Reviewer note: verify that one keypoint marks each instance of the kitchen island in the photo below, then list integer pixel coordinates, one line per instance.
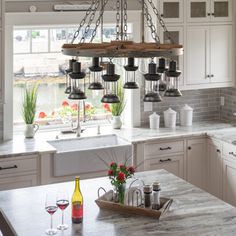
(193, 211)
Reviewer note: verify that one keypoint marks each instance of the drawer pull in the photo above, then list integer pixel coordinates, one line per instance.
(8, 167)
(167, 160)
(163, 149)
(231, 153)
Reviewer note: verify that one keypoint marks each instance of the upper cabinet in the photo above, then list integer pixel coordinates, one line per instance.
(209, 10)
(172, 11)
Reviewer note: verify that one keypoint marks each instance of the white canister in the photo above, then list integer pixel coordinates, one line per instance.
(154, 121)
(170, 118)
(186, 116)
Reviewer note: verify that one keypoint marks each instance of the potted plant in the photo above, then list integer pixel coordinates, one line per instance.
(29, 110)
(118, 108)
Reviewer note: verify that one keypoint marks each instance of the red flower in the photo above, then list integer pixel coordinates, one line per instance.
(122, 167)
(110, 172)
(74, 107)
(42, 115)
(88, 106)
(113, 164)
(121, 177)
(65, 104)
(131, 170)
(106, 106)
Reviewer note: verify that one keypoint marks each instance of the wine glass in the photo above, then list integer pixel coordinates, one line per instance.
(62, 203)
(51, 208)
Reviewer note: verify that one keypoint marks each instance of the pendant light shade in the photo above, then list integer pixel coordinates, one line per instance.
(152, 97)
(96, 72)
(172, 81)
(110, 80)
(161, 70)
(130, 80)
(68, 79)
(77, 93)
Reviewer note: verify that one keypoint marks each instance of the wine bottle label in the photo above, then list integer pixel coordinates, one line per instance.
(77, 210)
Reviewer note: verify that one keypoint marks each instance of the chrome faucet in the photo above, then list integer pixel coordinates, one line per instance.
(78, 128)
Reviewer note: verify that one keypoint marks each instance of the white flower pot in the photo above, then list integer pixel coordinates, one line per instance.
(116, 122)
(30, 130)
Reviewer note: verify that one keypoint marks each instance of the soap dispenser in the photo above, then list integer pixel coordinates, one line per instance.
(154, 121)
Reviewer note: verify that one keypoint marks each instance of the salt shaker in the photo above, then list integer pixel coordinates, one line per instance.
(147, 190)
(156, 195)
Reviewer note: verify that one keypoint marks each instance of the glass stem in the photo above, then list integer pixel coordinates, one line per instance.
(62, 219)
(51, 222)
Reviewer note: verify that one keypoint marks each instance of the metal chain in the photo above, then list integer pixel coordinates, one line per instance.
(98, 21)
(125, 19)
(87, 28)
(161, 21)
(88, 12)
(117, 19)
(151, 25)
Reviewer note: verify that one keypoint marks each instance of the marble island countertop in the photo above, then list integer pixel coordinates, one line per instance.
(21, 146)
(193, 211)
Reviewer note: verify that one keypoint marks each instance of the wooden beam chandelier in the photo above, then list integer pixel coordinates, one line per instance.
(156, 78)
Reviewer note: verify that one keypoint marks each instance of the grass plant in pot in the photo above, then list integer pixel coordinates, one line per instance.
(29, 111)
(118, 108)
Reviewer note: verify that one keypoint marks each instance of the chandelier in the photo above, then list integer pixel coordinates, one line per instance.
(159, 78)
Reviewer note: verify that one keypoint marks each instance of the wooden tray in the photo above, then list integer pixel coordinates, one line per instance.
(105, 202)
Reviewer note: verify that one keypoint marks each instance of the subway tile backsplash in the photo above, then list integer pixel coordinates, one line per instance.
(1, 121)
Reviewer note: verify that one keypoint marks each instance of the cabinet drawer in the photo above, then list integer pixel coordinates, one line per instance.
(229, 151)
(164, 148)
(15, 165)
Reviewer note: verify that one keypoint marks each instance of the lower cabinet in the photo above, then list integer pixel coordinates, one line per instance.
(215, 169)
(173, 164)
(196, 168)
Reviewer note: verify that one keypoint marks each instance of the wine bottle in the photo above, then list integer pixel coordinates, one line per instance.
(77, 203)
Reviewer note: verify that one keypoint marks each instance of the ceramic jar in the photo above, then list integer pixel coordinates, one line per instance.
(170, 118)
(186, 116)
(30, 130)
(154, 121)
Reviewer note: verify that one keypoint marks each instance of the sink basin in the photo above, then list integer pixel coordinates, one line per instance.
(89, 156)
(78, 144)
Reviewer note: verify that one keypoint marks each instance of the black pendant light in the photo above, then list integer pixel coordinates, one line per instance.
(130, 80)
(76, 76)
(151, 83)
(161, 70)
(96, 71)
(68, 79)
(172, 81)
(110, 80)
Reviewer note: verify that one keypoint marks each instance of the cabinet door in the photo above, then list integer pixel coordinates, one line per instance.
(172, 10)
(221, 53)
(215, 169)
(177, 36)
(196, 162)
(197, 50)
(172, 164)
(198, 10)
(221, 10)
(229, 180)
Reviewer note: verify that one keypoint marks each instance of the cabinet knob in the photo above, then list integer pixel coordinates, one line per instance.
(218, 150)
(189, 148)
(208, 14)
(213, 14)
(212, 75)
(162, 15)
(208, 76)
(232, 153)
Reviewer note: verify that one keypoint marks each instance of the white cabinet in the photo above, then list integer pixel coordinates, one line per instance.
(215, 168)
(18, 172)
(172, 10)
(209, 55)
(165, 155)
(209, 10)
(196, 162)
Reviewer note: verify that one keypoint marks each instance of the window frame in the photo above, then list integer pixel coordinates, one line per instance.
(54, 20)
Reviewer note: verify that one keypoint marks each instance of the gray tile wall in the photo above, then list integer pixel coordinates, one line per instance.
(229, 108)
(205, 102)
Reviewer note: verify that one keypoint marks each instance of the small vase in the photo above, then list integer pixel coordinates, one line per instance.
(116, 122)
(30, 130)
(119, 193)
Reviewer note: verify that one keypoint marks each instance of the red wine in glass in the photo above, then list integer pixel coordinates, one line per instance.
(51, 209)
(62, 204)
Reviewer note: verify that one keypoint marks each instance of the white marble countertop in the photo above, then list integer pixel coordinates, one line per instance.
(193, 212)
(21, 146)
